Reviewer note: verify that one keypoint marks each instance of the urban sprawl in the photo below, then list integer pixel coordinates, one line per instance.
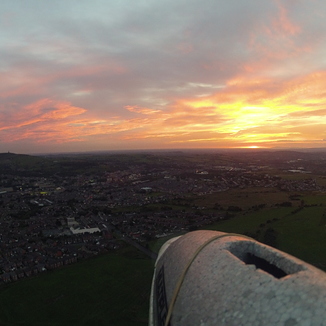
(47, 222)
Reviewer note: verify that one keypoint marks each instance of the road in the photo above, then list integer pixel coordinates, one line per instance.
(138, 246)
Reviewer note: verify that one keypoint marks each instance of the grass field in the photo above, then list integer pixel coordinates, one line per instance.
(108, 290)
(244, 198)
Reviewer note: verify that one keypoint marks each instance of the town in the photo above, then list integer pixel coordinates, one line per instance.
(52, 219)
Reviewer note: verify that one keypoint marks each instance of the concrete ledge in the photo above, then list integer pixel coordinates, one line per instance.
(236, 281)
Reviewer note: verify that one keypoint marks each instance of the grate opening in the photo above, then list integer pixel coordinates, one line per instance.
(250, 259)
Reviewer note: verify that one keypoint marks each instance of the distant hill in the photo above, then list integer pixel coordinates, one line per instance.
(19, 159)
(21, 163)
(75, 164)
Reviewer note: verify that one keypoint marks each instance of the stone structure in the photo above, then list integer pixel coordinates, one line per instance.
(214, 278)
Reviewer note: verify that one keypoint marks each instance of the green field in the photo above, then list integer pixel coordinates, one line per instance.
(248, 197)
(108, 290)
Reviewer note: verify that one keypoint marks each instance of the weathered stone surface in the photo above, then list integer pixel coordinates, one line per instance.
(237, 281)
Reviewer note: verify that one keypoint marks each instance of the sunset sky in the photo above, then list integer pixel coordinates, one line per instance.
(80, 75)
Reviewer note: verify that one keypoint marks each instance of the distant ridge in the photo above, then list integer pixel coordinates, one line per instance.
(184, 150)
(16, 163)
(13, 156)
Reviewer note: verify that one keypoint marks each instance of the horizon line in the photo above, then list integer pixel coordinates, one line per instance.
(224, 149)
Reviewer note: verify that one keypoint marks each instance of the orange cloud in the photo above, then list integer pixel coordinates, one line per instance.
(45, 120)
(260, 111)
(137, 109)
(246, 112)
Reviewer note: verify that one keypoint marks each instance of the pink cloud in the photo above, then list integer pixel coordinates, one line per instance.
(41, 121)
(283, 23)
(31, 78)
(137, 109)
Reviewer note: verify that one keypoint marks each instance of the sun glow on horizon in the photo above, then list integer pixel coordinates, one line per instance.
(252, 147)
(263, 113)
